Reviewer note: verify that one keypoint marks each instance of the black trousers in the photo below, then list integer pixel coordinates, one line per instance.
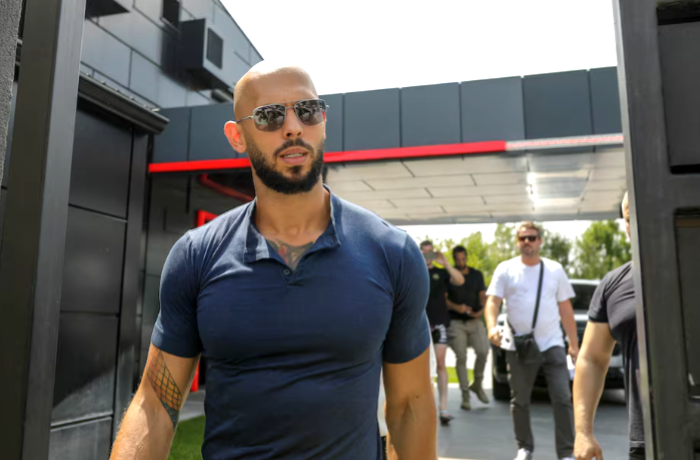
(637, 453)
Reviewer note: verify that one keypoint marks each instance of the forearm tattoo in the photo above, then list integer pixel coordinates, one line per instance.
(290, 254)
(165, 387)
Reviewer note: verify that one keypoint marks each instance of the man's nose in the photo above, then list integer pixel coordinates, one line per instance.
(292, 128)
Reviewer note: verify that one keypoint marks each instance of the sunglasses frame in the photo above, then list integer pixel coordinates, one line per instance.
(286, 108)
(528, 238)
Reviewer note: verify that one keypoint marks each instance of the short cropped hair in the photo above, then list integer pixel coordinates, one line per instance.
(426, 243)
(530, 226)
(458, 249)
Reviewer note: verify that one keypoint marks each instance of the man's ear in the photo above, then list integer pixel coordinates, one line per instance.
(235, 136)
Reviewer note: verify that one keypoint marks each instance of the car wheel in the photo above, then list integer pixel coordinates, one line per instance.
(501, 391)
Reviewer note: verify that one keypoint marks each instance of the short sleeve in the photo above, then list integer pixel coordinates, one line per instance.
(499, 281)
(409, 335)
(598, 310)
(176, 330)
(564, 291)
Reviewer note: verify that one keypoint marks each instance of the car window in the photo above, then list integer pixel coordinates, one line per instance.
(584, 294)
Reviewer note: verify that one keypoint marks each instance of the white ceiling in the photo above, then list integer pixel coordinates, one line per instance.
(503, 187)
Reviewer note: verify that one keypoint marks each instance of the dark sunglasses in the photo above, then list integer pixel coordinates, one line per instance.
(271, 117)
(529, 238)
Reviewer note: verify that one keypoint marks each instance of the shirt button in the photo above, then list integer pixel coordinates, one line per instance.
(286, 271)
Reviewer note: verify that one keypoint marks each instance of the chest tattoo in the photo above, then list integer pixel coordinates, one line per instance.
(290, 254)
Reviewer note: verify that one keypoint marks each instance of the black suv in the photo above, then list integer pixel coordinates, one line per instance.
(584, 292)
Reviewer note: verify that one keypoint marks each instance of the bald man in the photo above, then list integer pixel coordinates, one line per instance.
(612, 319)
(299, 301)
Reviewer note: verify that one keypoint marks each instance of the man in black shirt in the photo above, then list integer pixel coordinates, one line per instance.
(466, 305)
(438, 316)
(612, 318)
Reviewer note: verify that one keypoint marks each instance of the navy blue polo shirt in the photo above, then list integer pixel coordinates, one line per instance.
(294, 357)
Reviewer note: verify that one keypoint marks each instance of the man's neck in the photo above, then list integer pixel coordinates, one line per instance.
(465, 270)
(530, 261)
(292, 216)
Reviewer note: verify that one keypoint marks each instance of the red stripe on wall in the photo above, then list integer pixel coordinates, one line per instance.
(400, 153)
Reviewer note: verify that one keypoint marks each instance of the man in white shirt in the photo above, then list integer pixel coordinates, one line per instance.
(517, 281)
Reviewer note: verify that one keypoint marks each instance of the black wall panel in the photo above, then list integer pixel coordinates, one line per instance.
(93, 264)
(605, 101)
(84, 441)
(207, 138)
(101, 164)
(430, 115)
(679, 49)
(172, 144)
(372, 120)
(557, 105)
(334, 123)
(3, 200)
(492, 110)
(85, 367)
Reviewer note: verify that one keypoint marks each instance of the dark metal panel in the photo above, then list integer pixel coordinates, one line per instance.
(101, 162)
(430, 115)
(94, 261)
(153, 84)
(372, 120)
(605, 101)
(557, 105)
(128, 335)
(31, 262)
(3, 201)
(492, 110)
(138, 32)
(334, 123)
(679, 46)
(172, 144)
(207, 138)
(671, 420)
(85, 367)
(105, 53)
(688, 234)
(84, 441)
(114, 102)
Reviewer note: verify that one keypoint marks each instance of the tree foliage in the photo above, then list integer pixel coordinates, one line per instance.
(601, 248)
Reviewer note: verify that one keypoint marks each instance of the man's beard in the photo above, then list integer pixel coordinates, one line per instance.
(275, 180)
(528, 251)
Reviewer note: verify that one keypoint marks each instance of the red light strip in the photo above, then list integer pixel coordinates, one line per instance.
(228, 191)
(204, 216)
(399, 153)
(610, 139)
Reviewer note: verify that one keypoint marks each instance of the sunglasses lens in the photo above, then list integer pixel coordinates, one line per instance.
(310, 112)
(269, 117)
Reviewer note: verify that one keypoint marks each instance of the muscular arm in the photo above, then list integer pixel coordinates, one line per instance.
(410, 410)
(566, 312)
(148, 427)
(591, 368)
(493, 307)
(456, 277)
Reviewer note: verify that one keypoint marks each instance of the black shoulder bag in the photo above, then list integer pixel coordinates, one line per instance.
(525, 345)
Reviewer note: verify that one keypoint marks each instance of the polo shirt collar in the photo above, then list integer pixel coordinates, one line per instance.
(257, 247)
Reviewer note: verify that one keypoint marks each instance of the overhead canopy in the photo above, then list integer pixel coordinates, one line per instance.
(541, 184)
